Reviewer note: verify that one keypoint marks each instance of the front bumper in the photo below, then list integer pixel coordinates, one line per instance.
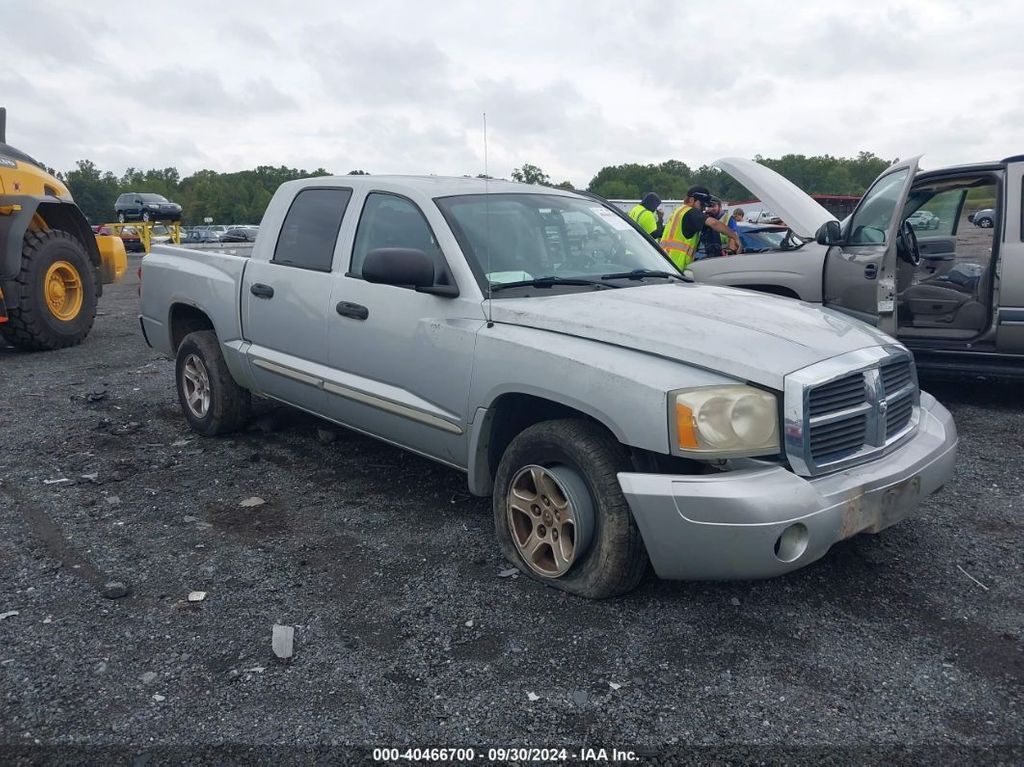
(765, 522)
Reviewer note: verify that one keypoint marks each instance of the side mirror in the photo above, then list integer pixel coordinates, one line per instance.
(830, 233)
(407, 267)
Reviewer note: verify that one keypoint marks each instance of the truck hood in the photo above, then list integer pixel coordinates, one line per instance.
(801, 213)
(738, 333)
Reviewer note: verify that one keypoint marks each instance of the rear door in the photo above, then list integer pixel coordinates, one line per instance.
(285, 301)
(860, 272)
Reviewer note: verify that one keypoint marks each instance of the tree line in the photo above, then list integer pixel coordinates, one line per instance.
(241, 197)
(821, 174)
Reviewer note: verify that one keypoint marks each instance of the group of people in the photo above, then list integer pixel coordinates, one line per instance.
(697, 222)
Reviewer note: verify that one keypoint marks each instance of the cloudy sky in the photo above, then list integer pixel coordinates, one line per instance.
(395, 86)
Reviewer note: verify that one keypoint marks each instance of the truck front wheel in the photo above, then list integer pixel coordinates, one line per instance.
(213, 403)
(559, 513)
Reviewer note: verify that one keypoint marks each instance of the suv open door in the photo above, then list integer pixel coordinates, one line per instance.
(860, 267)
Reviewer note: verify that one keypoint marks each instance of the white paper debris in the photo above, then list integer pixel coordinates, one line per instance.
(159, 698)
(533, 697)
(508, 573)
(55, 481)
(254, 501)
(469, 623)
(256, 669)
(615, 686)
(196, 596)
(9, 614)
(282, 640)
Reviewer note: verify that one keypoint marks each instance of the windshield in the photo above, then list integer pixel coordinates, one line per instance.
(520, 237)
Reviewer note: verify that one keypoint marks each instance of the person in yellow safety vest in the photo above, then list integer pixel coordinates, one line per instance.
(684, 227)
(647, 215)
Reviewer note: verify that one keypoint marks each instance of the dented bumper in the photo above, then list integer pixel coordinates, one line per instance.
(765, 522)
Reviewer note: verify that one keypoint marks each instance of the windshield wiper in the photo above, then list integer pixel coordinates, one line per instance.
(640, 274)
(547, 282)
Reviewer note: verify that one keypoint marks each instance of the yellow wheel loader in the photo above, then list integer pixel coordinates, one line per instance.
(52, 266)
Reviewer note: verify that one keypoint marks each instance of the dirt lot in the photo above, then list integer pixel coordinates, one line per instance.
(404, 632)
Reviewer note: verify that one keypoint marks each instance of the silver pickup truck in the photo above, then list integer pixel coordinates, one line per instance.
(538, 341)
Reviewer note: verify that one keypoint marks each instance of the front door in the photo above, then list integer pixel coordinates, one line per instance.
(401, 360)
(860, 271)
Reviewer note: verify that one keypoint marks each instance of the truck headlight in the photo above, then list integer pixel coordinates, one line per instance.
(724, 421)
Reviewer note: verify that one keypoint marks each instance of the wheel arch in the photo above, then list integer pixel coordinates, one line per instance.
(183, 319)
(496, 425)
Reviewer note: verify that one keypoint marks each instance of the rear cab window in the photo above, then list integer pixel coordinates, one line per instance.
(310, 229)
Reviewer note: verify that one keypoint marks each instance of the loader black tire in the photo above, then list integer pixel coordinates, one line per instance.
(616, 559)
(33, 325)
(227, 404)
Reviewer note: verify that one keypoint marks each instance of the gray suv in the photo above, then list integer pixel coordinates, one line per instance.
(145, 206)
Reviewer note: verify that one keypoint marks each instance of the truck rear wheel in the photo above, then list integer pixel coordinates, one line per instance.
(213, 403)
(559, 513)
(57, 293)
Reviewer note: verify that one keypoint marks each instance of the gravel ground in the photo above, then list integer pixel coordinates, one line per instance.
(405, 634)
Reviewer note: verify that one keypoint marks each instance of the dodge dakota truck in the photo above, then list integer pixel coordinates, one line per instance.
(535, 339)
(950, 292)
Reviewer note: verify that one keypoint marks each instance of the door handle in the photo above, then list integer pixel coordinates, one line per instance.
(355, 311)
(871, 271)
(262, 291)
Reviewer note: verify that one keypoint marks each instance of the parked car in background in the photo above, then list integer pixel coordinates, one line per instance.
(985, 218)
(129, 236)
(145, 206)
(240, 234)
(200, 236)
(923, 219)
(763, 238)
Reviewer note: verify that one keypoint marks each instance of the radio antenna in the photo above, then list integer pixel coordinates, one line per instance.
(487, 225)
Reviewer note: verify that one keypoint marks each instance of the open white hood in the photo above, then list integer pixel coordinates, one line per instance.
(801, 213)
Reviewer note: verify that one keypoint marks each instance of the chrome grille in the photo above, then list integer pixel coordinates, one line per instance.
(899, 415)
(834, 440)
(850, 409)
(838, 395)
(896, 375)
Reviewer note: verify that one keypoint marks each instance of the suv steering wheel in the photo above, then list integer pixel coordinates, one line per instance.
(906, 244)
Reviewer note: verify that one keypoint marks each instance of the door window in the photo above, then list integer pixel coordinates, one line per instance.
(389, 221)
(876, 210)
(310, 229)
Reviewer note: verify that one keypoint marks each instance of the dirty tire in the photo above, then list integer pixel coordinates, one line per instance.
(32, 326)
(228, 402)
(616, 560)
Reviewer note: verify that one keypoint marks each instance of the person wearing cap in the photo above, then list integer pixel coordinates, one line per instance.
(711, 240)
(647, 215)
(684, 228)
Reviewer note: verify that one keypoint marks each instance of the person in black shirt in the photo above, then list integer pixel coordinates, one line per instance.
(682, 233)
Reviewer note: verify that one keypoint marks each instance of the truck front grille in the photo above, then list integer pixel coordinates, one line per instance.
(850, 409)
